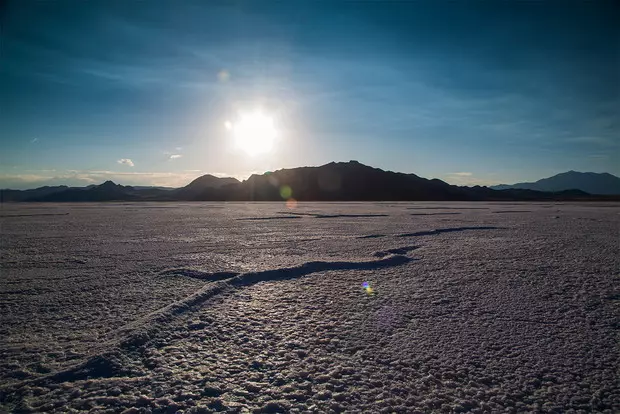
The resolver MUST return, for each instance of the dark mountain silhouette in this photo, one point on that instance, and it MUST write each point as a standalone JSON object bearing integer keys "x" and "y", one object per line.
{"x": 592, "y": 183}
{"x": 107, "y": 191}
{"x": 202, "y": 184}
{"x": 353, "y": 181}
{"x": 23, "y": 195}
{"x": 342, "y": 181}
{"x": 151, "y": 187}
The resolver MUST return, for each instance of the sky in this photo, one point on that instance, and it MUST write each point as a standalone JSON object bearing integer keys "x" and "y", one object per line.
{"x": 471, "y": 92}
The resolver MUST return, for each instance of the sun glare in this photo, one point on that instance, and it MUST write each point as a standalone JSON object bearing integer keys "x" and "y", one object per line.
{"x": 254, "y": 132}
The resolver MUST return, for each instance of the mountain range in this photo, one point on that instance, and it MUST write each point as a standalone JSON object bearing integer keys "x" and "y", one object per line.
{"x": 592, "y": 183}
{"x": 341, "y": 181}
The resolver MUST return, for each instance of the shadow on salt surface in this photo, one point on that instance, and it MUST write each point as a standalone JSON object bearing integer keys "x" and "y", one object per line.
{"x": 319, "y": 215}
{"x": 268, "y": 218}
{"x": 297, "y": 271}
{"x": 314, "y": 267}
{"x": 448, "y": 230}
{"x": 447, "y": 208}
{"x": 433, "y": 214}
{"x": 348, "y": 215}
{"x": 511, "y": 211}
{"x": 432, "y": 232}
{"x": 34, "y": 215}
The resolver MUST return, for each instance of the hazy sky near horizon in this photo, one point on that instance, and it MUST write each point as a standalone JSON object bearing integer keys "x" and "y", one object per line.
{"x": 471, "y": 92}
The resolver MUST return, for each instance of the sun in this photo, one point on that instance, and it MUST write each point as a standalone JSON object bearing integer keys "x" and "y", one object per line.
{"x": 253, "y": 132}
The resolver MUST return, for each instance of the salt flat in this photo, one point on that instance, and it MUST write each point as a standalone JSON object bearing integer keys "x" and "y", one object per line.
{"x": 259, "y": 307}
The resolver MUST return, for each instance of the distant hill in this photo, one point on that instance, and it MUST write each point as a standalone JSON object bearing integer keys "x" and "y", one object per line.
{"x": 24, "y": 195}
{"x": 110, "y": 191}
{"x": 592, "y": 183}
{"x": 336, "y": 181}
{"x": 202, "y": 184}
{"x": 107, "y": 191}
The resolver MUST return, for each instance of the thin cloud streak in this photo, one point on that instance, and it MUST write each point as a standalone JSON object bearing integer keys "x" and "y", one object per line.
{"x": 468, "y": 179}
{"x": 594, "y": 140}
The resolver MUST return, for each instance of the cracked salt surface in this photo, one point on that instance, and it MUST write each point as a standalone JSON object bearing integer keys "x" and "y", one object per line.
{"x": 207, "y": 307}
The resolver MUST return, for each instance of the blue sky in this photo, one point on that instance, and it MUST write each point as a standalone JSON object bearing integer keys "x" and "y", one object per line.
{"x": 478, "y": 92}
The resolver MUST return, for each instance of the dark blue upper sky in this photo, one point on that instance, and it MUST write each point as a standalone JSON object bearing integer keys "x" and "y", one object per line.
{"x": 466, "y": 91}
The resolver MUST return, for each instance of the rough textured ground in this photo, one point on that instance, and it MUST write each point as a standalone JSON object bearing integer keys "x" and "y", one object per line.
{"x": 256, "y": 307}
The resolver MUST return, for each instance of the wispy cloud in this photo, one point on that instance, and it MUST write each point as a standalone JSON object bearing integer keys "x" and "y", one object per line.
{"x": 467, "y": 178}
{"x": 126, "y": 161}
{"x": 34, "y": 140}
{"x": 594, "y": 140}
{"x": 175, "y": 156}
{"x": 599, "y": 156}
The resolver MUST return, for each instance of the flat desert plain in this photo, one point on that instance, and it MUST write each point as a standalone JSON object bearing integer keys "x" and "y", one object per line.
{"x": 313, "y": 307}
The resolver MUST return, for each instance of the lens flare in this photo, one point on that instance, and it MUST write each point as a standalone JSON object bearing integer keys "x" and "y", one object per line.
{"x": 223, "y": 75}
{"x": 291, "y": 203}
{"x": 286, "y": 192}
{"x": 367, "y": 288}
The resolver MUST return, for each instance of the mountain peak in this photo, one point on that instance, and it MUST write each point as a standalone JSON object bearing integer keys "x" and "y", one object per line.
{"x": 108, "y": 184}
{"x": 589, "y": 182}
{"x": 212, "y": 181}
{"x": 202, "y": 184}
